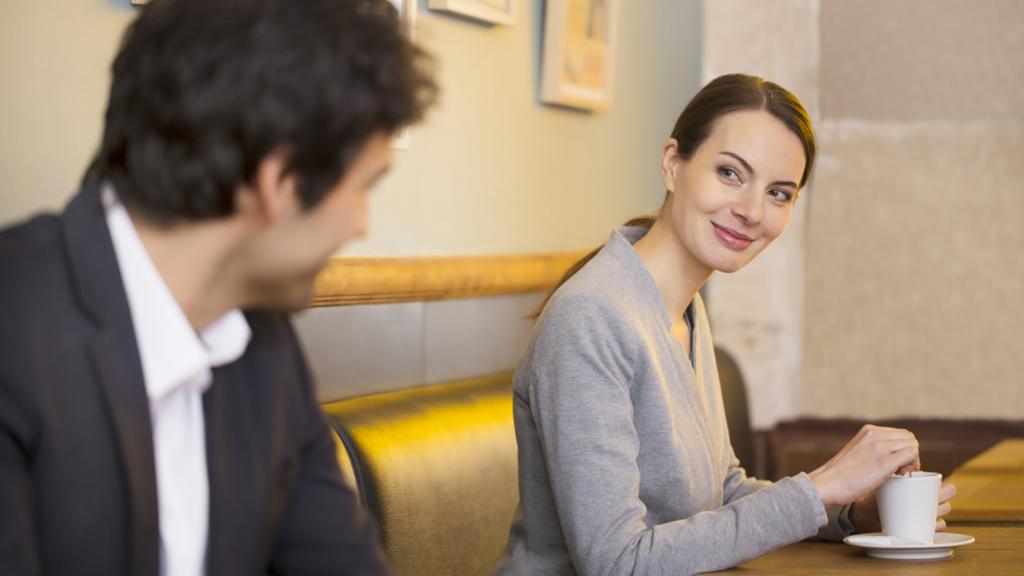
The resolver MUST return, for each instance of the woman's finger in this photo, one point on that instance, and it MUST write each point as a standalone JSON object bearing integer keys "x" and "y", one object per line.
{"x": 947, "y": 491}
{"x": 883, "y": 433}
{"x": 900, "y": 458}
{"x": 940, "y": 525}
{"x": 944, "y": 508}
{"x": 870, "y": 433}
{"x": 892, "y": 446}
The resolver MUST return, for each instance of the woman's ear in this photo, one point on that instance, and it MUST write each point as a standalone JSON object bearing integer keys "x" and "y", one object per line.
{"x": 272, "y": 192}
{"x": 670, "y": 164}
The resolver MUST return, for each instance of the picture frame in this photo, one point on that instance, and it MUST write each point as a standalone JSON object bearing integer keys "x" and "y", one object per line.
{"x": 580, "y": 45}
{"x": 407, "y": 14}
{"x": 501, "y": 12}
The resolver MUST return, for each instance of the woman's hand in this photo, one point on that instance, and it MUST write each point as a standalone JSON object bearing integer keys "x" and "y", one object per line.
{"x": 946, "y": 493}
{"x": 871, "y": 457}
{"x": 864, "y": 512}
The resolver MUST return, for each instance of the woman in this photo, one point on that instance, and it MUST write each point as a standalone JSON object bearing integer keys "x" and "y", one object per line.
{"x": 625, "y": 465}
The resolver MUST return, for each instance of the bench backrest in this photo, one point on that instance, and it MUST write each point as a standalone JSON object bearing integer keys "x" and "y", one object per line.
{"x": 437, "y": 467}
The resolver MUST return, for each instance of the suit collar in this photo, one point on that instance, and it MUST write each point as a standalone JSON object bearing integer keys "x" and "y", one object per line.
{"x": 114, "y": 352}
{"x": 173, "y": 355}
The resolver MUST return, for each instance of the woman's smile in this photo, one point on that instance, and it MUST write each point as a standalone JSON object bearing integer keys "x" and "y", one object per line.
{"x": 731, "y": 238}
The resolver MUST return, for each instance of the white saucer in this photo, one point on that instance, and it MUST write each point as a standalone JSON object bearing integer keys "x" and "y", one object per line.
{"x": 890, "y": 548}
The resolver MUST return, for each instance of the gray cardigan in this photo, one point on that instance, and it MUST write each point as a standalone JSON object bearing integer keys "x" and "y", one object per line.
{"x": 625, "y": 465}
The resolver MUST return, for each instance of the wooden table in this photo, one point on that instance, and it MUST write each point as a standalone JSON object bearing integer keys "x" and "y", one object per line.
{"x": 1007, "y": 457}
{"x": 985, "y": 499}
{"x": 989, "y": 506}
{"x": 990, "y": 487}
{"x": 997, "y": 551}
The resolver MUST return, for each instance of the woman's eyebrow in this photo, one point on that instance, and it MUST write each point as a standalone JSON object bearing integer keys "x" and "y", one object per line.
{"x": 750, "y": 169}
{"x": 740, "y": 159}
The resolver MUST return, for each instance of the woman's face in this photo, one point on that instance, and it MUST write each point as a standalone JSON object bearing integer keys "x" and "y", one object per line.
{"x": 735, "y": 195}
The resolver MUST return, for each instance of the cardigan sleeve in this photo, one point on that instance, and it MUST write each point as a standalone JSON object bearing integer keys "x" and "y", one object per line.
{"x": 738, "y": 485}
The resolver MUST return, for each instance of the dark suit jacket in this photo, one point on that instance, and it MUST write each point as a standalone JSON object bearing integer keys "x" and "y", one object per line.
{"x": 77, "y": 476}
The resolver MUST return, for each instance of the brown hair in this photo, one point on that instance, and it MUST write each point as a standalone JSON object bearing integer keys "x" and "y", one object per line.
{"x": 725, "y": 94}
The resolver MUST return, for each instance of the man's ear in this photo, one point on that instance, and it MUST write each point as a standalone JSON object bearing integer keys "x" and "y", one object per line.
{"x": 272, "y": 191}
{"x": 670, "y": 163}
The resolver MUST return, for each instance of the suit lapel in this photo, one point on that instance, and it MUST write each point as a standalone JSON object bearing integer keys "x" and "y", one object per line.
{"x": 236, "y": 481}
{"x": 115, "y": 355}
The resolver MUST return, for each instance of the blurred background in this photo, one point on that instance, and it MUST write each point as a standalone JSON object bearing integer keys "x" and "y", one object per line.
{"x": 896, "y": 294}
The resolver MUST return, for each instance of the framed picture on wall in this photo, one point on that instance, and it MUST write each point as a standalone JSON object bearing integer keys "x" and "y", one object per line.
{"x": 492, "y": 11}
{"x": 580, "y": 40}
{"x": 407, "y": 13}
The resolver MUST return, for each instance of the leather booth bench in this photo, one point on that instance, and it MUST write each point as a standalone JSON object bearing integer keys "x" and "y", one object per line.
{"x": 437, "y": 467}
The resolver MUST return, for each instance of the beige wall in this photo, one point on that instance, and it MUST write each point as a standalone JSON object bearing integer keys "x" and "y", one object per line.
{"x": 757, "y": 313}
{"x": 915, "y": 278}
{"x": 54, "y": 61}
{"x": 495, "y": 171}
{"x": 913, "y": 272}
{"x": 899, "y": 288}
{"x": 492, "y": 171}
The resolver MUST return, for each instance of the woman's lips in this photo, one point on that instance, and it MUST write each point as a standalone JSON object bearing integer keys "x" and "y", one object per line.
{"x": 731, "y": 238}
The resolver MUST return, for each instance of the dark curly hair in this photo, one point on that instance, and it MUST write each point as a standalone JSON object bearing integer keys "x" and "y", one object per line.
{"x": 203, "y": 90}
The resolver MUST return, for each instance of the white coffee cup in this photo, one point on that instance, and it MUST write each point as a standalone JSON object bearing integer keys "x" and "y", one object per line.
{"x": 908, "y": 506}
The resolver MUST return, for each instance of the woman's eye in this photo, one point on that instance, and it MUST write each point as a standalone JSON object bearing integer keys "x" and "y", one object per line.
{"x": 729, "y": 173}
{"x": 781, "y": 195}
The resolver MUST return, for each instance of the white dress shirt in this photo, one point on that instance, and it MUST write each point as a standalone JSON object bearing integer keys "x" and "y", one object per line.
{"x": 177, "y": 368}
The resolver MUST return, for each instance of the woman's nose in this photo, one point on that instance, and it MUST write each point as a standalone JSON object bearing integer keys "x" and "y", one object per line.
{"x": 749, "y": 208}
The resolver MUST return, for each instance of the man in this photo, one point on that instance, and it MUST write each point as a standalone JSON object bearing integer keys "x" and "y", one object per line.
{"x": 147, "y": 425}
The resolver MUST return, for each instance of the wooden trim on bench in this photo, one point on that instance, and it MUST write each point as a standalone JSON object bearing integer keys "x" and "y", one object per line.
{"x": 351, "y": 281}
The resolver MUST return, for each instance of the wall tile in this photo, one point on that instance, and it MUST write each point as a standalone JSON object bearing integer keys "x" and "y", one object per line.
{"x": 356, "y": 350}
{"x": 908, "y": 59}
{"x": 915, "y": 272}
{"x": 466, "y": 338}
{"x": 776, "y": 40}
{"x": 757, "y": 313}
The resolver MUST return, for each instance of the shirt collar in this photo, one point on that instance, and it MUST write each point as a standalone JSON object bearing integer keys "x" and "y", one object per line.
{"x": 172, "y": 354}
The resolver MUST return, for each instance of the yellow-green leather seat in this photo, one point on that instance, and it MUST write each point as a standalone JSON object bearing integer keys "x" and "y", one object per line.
{"x": 437, "y": 467}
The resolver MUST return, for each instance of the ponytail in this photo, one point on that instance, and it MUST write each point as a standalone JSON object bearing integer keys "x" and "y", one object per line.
{"x": 645, "y": 222}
